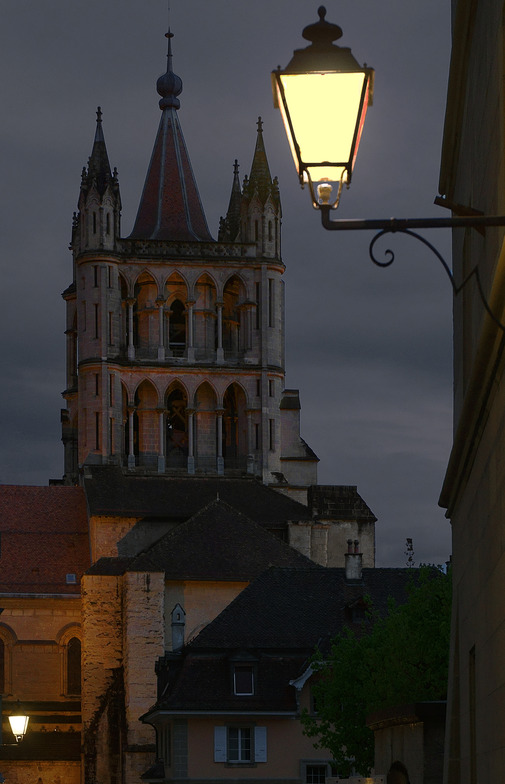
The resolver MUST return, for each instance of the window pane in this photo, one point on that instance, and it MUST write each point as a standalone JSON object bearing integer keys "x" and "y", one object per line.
{"x": 74, "y": 666}
{"x": 2, "y": 666}
{"x": 243, "y": 675}
{"x": 245, "y": 745}
{"x": 233, "y": 744}
{"x": 315, "y": 774}
{"x": 239, "y": 744}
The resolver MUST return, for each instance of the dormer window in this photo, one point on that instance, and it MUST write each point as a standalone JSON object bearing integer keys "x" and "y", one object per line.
{"x": 243, "y": 679}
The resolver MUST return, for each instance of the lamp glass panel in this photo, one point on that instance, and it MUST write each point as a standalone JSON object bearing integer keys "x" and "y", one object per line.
{"x": 324, "y": 109}
{"x": 19, "y": 725}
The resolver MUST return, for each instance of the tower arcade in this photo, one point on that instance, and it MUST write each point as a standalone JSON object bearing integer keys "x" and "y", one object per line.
{"x": 175, "y": 341}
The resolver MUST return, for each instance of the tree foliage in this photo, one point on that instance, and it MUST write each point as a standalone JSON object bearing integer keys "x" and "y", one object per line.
{"x": 400, "y": 658}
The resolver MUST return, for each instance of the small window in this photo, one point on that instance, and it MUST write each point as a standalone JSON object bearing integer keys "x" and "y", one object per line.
{"x": 95, "y": 276}
{"x": 271, "y": 387}
{"x": 97, "y": 430}
{"x": 74, "y": 666}
{"x": 258, "y": 387}
{"x": 239, "y": 744}
{"x": 271, "y": 302}
{"x": 243, "y": 679}
{"x": 71, "y": 579}
{"x": 315, "y": 774}
{"x": 2, "y": 666}
{"x": 257, "y": 287}
{"x": 271, "y": 434}
{"x": 315, "y": 771}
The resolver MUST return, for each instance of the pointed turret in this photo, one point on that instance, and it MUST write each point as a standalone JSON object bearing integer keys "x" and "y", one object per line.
{"x": 99, "y": 170}
{"x": 261, "y": 205}
{"x": 170, "y": 206}
{"x": 97, "y": 225}
{"x": 229, "y": 227}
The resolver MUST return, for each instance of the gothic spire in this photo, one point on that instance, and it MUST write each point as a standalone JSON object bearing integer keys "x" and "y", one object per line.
{"x": 230, "y": 226}
{"x": 260, "y": 179}
{"x": 99, "y": 170}
{"x": 170, "y": 206}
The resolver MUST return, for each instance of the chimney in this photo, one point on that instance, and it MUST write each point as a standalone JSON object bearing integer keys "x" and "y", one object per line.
{"x": 353, "y": 562}
{"x": 178, "y": 626}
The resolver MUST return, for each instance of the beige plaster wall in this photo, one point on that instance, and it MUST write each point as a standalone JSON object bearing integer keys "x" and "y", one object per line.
{"x": 201, "y": 600}
{"x": 286, "y": 747}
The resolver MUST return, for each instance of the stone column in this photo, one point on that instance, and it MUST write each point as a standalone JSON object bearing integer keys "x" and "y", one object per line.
{"x": 220, "y": 460}
{"x": 219, "y": 351}
{"x": 161, "y": 337}
{"x": 191, "y": 456}
{"x": 161, "y": 450}
{"x": 131, "y": 347}
{"x": 250, "y": 447}
{"x": 191, "y": 349}
{"x": 131, "y": 455}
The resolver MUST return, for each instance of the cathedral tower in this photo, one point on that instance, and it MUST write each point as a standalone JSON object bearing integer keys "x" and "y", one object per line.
{"x": 175, "y": 341}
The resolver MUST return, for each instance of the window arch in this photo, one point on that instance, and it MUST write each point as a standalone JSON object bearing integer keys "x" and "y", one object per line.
{"x": 73, "y": 666}
{"x": 7, "y": 641}
{"x": 70, "y": 657}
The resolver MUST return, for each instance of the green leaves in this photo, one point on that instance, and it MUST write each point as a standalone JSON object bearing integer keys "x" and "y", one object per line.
{"x": 401, "y": 658}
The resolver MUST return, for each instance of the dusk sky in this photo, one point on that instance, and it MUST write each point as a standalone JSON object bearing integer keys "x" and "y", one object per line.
{"x": 369, "y": 349}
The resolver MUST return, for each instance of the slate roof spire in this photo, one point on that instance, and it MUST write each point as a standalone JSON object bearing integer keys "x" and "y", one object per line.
{"x": 99, "y": 170}
{"x": 229, "y": 228}
{"x": 170, "y": 206}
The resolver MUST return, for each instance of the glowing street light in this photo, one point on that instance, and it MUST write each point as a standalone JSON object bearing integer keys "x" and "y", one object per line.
{"x": 323, "y": 95}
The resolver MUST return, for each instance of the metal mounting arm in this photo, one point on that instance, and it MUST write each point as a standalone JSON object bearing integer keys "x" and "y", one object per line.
{"x": 406, "y": 226}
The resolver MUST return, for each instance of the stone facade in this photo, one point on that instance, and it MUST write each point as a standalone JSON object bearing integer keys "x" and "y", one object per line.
{"x": 472, "y": 173}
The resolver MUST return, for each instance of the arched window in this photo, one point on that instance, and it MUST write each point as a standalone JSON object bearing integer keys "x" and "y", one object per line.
{"x": 7, "y": 642}
{"x": 177, "y": 336}
{"x": 2, "y": 666}
{"x": 70, "y": 661}
{"x": 176, "y": 446}
{"x": 73, "y": 666}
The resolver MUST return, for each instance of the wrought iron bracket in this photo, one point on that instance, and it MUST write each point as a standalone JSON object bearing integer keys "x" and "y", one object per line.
{"x": 406, "y": 226}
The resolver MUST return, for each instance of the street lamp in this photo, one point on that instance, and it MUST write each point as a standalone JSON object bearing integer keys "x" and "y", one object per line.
{"x": 19, "y": 723}
{"x": 323, "y": 95}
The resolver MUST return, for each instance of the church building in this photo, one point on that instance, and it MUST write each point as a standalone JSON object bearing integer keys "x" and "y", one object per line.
{"x": 185, "y": 475}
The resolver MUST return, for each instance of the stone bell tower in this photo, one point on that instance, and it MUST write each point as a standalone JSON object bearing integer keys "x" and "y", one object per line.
{"x": 175, "y": 341}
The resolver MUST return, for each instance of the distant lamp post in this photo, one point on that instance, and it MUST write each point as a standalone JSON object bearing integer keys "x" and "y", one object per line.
{"x": 323, "y": 95}
{"x": 19, "y": 723}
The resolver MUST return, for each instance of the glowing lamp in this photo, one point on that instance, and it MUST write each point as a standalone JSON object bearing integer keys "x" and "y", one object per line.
{"x": 19, "y": 724}
{"x": 323, "y": 95}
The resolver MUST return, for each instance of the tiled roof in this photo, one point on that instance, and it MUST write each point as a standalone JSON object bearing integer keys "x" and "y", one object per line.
{"x": 339, "y": 502}
{"x": 295, "y": 608}
{"x": 48, "y": 526}
{"x": 170, "y": 206}
{"x": 278, "y": 621}
{"x": 110, "y": 492}
{"x": 217, "y": 543}
{"x": 204, "y": 684}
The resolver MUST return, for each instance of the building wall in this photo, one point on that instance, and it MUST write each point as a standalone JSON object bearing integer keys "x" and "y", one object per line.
{"x": 35, "y": 632}
{"x": 472, "y": 175}
{"x": 202, "y": 601}
{"x": 41, "y": 772}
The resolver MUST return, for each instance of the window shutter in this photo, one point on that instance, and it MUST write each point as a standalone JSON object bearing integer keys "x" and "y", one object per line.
{"x": 260, "y": 744}
{"x": 219, "y": 744}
